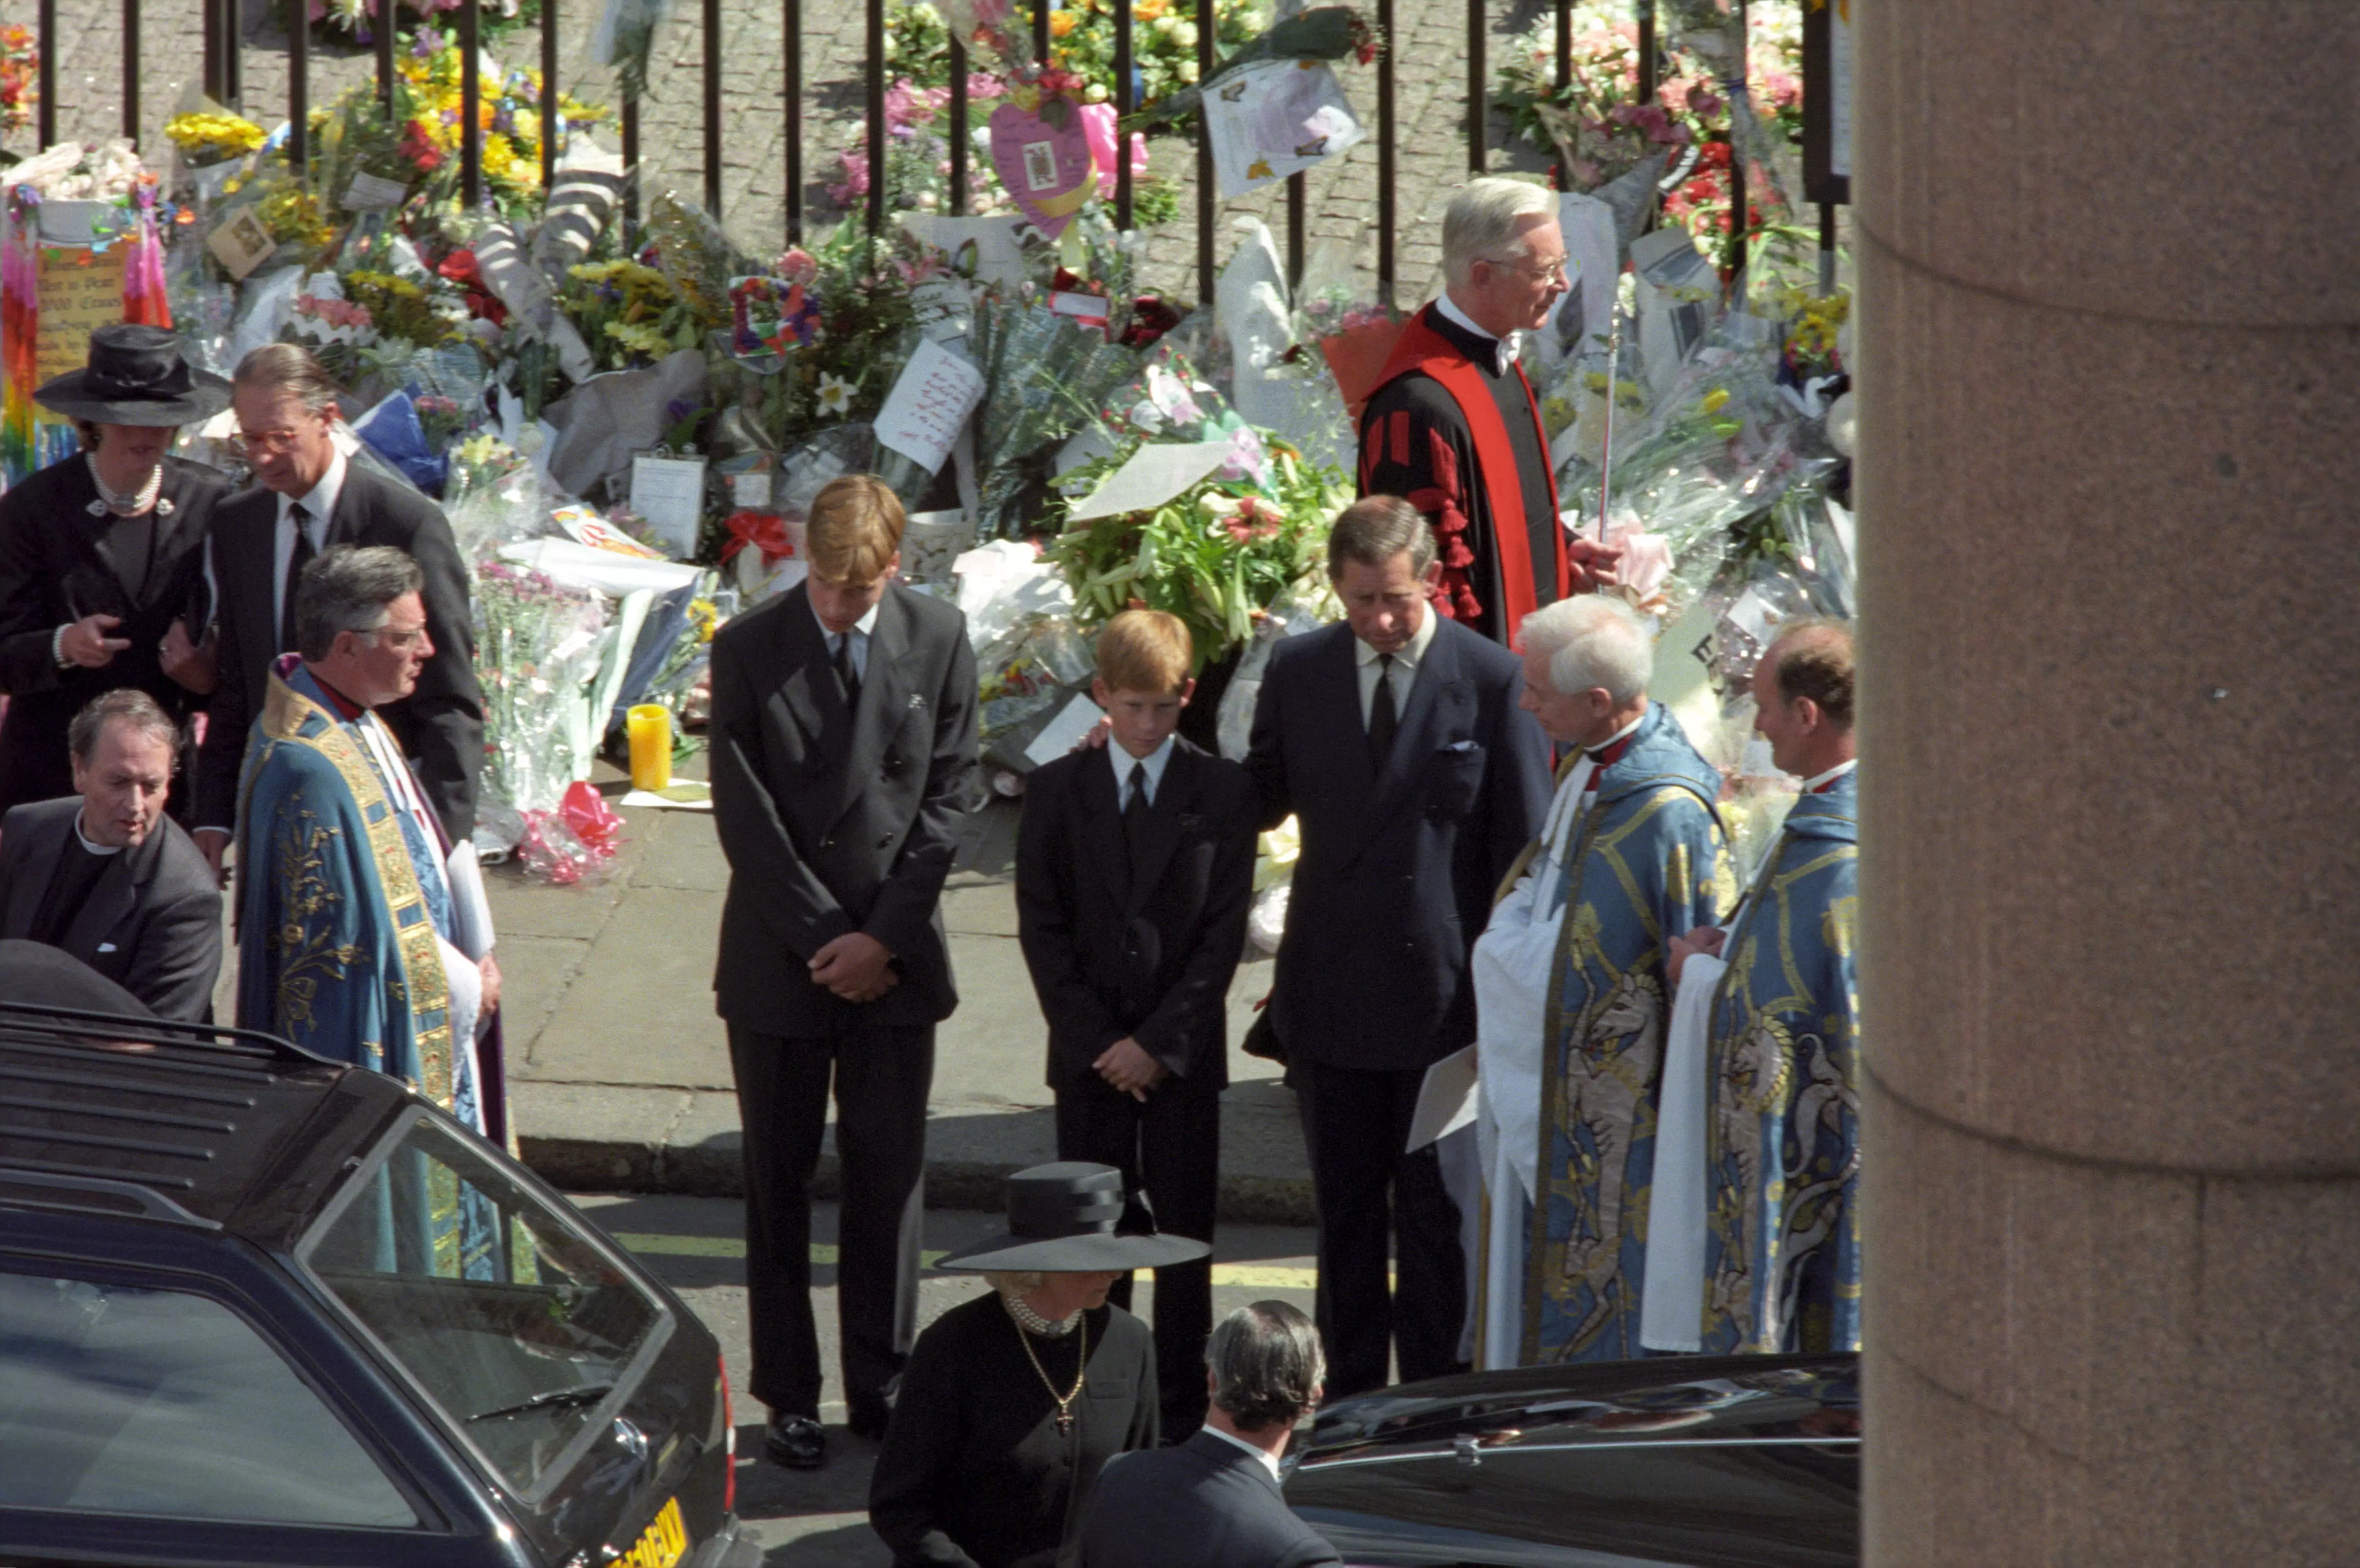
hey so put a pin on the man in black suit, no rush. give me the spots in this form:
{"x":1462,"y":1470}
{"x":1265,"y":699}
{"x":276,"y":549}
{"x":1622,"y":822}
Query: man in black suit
{"x":844,"y":768}
{"x":1134,"y":874}
{"x":1214,"y":1501}
{"x":309,"y":497}
{"x":105,"y":876}
{"x":1396,"y":740}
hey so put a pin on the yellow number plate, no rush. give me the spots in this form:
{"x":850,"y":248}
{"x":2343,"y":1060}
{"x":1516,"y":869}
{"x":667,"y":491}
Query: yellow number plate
{"x":662,"y":1544}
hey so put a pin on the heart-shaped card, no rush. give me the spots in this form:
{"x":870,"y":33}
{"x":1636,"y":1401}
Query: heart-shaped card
{"x":1044,"y":162}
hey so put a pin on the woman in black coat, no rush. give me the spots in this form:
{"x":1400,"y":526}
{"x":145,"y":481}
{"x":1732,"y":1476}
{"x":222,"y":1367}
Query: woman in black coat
{"x":102,"y":557}
{"x":1012,"y":1403}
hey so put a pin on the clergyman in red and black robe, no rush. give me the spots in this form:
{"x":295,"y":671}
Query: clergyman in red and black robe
{"x":1454,"y":430}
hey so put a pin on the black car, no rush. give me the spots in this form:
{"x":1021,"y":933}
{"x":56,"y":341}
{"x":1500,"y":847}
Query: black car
{"x":1727,"y":1461}
{"x":256,"y":1307}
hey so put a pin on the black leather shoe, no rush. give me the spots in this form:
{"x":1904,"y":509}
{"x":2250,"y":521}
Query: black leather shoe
{"x":796,"y":1441}
{"x":869,"y":1424}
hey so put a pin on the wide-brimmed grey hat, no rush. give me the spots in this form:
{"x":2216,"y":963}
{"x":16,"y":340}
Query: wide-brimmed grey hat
{"x":1071,"y":1218}
{"x":137,"y":375}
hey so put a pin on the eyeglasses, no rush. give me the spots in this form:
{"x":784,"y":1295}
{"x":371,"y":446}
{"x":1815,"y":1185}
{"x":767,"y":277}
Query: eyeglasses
{"x":400,"y":642}
{"x":247,"y":442}
{"x":1554,"y":272}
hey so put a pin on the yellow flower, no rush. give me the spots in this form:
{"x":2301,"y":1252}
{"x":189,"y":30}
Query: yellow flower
{"x":1061,"y":22}
{"x":1713,"y":400}
{"x":500,"y":158}
{"x":640,"y":339}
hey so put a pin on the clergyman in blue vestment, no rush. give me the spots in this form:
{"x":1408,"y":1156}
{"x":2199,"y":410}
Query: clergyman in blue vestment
{"x":1780,"y":1133}
{"x":361,"y":935}
{"x":1571,"y":994}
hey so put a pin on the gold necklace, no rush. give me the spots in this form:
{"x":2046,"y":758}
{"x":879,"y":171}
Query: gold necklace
{"x":1081,"y":1367}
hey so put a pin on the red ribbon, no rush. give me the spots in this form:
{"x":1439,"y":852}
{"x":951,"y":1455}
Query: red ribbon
{"x":767,"y":531}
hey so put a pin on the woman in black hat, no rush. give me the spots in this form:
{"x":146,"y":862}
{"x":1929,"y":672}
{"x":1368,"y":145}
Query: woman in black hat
{"x":1012,"y":1403}
{"x":102,"y":556}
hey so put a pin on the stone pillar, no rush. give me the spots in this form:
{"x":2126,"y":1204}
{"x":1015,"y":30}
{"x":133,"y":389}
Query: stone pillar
{"x":2110,"y":505}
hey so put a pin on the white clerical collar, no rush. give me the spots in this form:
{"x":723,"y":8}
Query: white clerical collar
{"x":866,"y":625}
{"x":1817,"y":782}
{"x":1408,"y":654}
{"x":1154,"y":762}
{"x":1505,"y":347}
{"x":94,"y":848}
{"x":320,"y":500}
{"x":1620,"y":735}
{"x":1269,"y":1460}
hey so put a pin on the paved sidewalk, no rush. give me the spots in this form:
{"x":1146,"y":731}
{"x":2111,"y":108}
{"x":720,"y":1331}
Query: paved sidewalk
{"x":619,"y":1071}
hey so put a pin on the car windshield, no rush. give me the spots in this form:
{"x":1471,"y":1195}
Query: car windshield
{"x":494,"y":1300}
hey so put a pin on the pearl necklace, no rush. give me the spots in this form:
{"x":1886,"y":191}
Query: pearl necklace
{"x":127,"y":503}
{"x":1031,"y":1321}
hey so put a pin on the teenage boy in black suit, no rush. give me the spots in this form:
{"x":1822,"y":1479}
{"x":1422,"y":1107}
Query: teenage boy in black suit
{"x":1134,"y":871}
{"x":844,"y":768}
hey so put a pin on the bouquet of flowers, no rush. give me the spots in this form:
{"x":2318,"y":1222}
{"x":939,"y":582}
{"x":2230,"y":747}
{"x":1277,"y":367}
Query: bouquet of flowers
{"x":213,"y":136}
{"x":1218,"y":552}
{"x":537,"y":647}
{"x":20,"y":66}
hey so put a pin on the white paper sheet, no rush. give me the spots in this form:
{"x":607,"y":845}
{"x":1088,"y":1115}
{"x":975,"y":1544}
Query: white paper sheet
{"x":1057,"y":736}
{"x":669,"y":492}
{"x":1271,"y":120}
{"x":929,"y":405}
{"x":1445,"y":1100}
{"x":1156,"y":473}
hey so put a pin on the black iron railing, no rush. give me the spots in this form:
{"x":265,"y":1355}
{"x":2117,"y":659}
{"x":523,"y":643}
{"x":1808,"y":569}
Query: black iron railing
{"x":224,"y":48}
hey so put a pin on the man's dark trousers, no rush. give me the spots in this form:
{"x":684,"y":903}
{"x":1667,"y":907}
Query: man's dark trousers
{"x":1356,"y":1122}
{"x":881,"y":1077}
{"x":1171,"y":1149}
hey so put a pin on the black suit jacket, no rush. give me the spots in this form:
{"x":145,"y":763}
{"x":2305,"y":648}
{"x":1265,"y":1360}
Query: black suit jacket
{"x":837,"y":820}
{"x":1115,"y":952}
{"x":151,"y":922}
{"x":55,"y":567}
{"x":1395,"y":878}
{"x":441,"y":724}
{"x":1205,"y":1503}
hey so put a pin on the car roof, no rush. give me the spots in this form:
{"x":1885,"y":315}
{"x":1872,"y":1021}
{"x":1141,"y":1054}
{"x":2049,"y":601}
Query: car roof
{"x":188,"y":1124}
{"x":1620,"y":1402}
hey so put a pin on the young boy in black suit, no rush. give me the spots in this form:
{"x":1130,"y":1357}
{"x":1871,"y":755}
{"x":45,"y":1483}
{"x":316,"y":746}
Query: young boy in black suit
{"x":1134,"y":871}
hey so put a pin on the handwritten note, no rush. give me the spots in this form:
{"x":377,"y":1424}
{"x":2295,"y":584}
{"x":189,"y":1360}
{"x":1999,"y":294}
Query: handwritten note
{"x":669,"y":492}
{"x":82,"y":290}
{"x":922,"y":415}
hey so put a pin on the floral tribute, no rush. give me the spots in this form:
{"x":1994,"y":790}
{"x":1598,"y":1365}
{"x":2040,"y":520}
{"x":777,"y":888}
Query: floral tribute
{"x":20,"y":66}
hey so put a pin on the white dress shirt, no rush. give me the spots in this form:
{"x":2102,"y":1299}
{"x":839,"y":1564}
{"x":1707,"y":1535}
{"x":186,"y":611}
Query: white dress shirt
{"x":1405,"y":669}
{"x":1504,"y":347}
{"x":320,"y":503}
{"x":1122,"y":763}
{"x":1269,"y":1460}
{"x":862,"y":629}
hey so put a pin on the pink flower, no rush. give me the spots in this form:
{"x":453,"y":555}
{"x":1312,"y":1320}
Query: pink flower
{"x":1098,"y":122}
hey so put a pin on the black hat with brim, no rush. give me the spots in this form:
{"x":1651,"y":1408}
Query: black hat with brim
{"x":137,"y":375}
{"x":1070,"y":1218}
